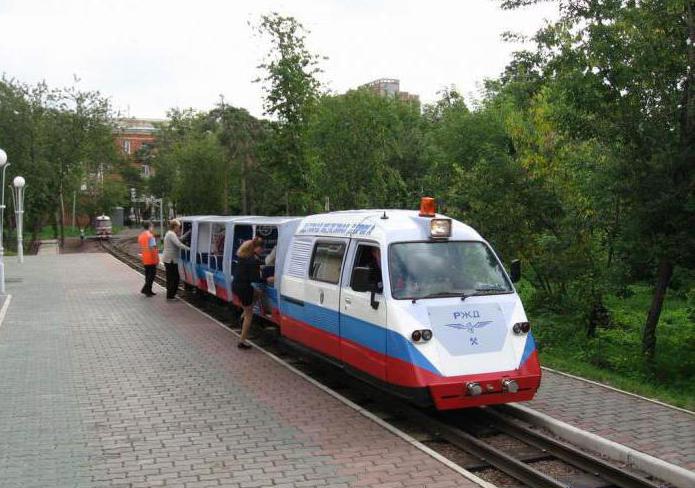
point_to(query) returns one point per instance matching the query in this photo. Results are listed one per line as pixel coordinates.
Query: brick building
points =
(135, 138)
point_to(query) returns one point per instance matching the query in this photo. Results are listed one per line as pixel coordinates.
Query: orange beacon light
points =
(428, 207)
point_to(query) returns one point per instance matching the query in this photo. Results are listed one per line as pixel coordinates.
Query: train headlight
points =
(440, 228)
(510, 386)
(521, 328)
(423, 335)
(474, 389)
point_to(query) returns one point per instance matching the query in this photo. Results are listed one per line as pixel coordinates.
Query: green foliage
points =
(363, 148)
(291, 90)
(614, 355)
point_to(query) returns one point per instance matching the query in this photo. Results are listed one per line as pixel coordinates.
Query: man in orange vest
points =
(150, 257)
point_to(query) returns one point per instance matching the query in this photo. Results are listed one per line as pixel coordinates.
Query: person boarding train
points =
(172, 249)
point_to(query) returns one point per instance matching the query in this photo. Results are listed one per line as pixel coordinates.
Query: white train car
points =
(214, 244)
(189, 232)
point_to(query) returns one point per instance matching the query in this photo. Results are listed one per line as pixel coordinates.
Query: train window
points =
(368, 256)
(269, 233)
(186, 233)
(327, 261)
(242, 232)
(217, 246)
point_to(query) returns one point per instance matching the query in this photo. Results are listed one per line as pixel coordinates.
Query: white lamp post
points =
(132, 206)
(18, 198)
(3, 164)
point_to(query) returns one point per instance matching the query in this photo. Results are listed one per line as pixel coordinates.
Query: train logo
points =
(469, 326)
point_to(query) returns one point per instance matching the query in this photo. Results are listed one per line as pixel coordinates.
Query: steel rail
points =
(566, 452)
(504, 462)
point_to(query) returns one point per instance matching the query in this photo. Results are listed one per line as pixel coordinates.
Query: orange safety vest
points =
(148, 248)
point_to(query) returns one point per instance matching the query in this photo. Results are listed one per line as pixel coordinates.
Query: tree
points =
(291, 90)
(240, 134)
(55, 138)
(623, 67)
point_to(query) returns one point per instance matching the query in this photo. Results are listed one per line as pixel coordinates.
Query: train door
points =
(202, 254)
(214, 276)
(269, 297)
(322, 295)
(185, 269)
(363, 316)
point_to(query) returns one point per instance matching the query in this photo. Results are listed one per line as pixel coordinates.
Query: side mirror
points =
(515, 271)
(360, 280)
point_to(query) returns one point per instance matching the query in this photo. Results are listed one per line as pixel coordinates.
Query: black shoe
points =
(244, 345)
(150, 294)
(171, 298)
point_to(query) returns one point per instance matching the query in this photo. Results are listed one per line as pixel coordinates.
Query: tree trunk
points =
(663, 279)
(61, 222)
(243, 188)
(225, 190)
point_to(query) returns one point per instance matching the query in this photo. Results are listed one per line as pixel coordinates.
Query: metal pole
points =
(161, 219)
(19, 209)
(2, 218)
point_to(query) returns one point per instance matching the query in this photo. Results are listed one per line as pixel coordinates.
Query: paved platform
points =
(48, 247)
(104, 387)
(658, 430)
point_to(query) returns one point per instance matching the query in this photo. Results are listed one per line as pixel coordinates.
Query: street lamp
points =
(4, 165)
(18, 198)
(132, 206)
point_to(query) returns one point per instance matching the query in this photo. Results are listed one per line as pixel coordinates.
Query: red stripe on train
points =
(447, 392)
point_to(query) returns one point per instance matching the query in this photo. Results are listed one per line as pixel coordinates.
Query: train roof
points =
(384, 225)
(261, 220)
(191, 218)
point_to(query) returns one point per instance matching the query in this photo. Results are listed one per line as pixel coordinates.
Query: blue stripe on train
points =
(366, 334)
(218, 276)
(529, 347)
(371, 335)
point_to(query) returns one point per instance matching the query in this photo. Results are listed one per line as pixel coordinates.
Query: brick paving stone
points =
(104, 387)
(649, 427)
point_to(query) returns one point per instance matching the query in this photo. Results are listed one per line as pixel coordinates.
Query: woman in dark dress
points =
(247, 272)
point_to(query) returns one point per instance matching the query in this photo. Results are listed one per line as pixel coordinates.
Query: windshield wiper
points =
(440, 294)
(490, 287)
(468, 295)
(479, 292)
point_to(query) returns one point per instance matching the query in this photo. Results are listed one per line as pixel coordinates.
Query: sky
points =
(148, 56)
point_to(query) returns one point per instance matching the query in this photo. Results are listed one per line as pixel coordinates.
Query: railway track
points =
(487, 441)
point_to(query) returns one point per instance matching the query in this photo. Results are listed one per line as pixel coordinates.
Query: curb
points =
(617, 390)
(676, 475)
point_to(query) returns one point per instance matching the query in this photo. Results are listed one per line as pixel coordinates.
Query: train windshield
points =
(445, 269)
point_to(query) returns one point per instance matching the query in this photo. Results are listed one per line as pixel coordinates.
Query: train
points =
(411, 301)
(102, 227)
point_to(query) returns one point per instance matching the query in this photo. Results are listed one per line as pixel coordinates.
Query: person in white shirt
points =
(172, 248)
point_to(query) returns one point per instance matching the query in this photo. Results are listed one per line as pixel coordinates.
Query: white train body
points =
(433, 318)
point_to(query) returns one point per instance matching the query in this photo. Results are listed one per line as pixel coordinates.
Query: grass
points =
(615, 357)
(47, 232)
